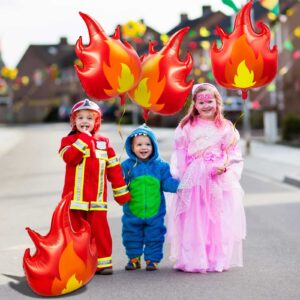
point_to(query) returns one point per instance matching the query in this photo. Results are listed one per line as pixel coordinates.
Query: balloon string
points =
(130, 170)
(119, 130)
(233, 138)
(120, 133)
(238, 119)
(120, 121)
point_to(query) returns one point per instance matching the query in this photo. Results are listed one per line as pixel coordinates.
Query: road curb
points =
(292, 180)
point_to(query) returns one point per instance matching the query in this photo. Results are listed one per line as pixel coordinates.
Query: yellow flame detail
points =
(244, 77)
(69, 265)
(150, 88)
(119, 69)
(142, 94)
(151, 71)
(72, 285)
(126, 79)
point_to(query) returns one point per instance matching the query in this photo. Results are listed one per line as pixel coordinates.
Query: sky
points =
(25, 22)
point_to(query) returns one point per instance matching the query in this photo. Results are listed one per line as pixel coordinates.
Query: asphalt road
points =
(31, 181)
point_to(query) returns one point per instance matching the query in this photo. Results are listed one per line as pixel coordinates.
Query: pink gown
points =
(206, 218)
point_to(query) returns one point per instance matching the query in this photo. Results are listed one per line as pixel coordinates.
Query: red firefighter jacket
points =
(90, 161)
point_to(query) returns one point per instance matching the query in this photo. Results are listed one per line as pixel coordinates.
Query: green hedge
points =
(291, 127)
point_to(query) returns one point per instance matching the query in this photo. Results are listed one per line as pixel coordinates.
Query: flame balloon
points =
(244, 59)
(163, 88)
(110, 67)
(64, 260)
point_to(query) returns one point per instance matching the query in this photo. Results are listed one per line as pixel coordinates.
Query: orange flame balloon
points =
(110, 67)
(64, 260)
(163, 88)
(245, 59)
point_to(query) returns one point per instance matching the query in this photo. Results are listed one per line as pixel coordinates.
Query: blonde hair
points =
(193, 113)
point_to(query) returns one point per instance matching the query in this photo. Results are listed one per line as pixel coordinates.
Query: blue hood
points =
(142, 130)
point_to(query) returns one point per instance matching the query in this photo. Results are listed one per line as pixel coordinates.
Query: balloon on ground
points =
(64, 260)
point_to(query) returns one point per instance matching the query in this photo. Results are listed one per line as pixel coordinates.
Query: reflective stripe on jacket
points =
(90, 162)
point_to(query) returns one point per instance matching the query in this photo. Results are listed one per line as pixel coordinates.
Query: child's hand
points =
(220, 170)
(86, 132)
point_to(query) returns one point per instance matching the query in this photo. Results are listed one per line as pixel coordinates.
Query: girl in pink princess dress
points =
(206, 222)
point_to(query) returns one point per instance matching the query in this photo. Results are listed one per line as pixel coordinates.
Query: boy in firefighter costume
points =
(147, 177)
(90, 161)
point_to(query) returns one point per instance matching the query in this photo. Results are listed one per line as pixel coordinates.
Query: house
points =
(289, 68)
(5, 94)
(52, 81)
(283, 96)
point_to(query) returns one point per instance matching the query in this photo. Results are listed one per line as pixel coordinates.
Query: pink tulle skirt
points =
(206, 220)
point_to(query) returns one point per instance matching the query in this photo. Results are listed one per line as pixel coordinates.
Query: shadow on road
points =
(20, 285)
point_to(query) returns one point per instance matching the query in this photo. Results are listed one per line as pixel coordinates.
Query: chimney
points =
(63, 41)
(206, 10)
(183, 18)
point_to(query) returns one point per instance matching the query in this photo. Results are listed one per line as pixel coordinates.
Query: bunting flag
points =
(271, 5)
(231, 4)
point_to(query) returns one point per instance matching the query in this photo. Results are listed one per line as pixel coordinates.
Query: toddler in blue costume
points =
(147, 176)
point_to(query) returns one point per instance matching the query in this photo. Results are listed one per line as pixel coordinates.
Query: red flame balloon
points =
(110, 67)
(64, 260)
(163, 88)
(245, 59)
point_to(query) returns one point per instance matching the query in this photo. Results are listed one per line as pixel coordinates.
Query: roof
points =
(61, 54)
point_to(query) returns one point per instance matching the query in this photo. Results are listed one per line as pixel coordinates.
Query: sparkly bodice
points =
(205, 143)
(203, 135)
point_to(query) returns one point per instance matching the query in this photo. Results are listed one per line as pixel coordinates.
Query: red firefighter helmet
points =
(88, 105)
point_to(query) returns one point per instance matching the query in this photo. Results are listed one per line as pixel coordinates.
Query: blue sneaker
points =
(133, 264)
(151, 266)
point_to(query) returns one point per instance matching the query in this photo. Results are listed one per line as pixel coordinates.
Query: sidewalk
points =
(276, 162)
(9, 136)
(272, 161)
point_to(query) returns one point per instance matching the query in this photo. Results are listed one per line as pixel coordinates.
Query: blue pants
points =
(144, 236)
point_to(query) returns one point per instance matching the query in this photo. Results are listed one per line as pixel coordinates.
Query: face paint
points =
(206, 105)
(204, 96)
